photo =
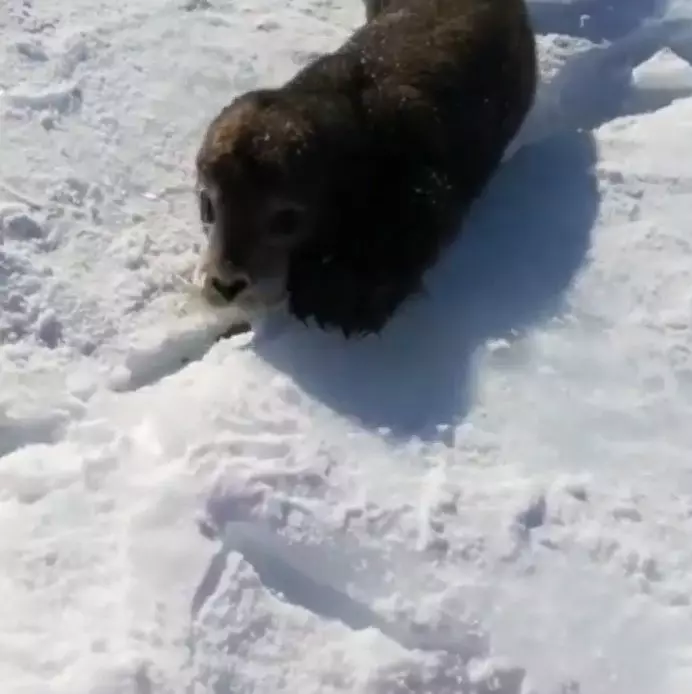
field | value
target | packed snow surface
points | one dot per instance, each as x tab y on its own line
493	496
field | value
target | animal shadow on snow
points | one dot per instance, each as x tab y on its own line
520	248
518	253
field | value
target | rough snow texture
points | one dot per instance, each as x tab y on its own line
495	496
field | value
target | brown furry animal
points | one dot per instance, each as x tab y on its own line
338	190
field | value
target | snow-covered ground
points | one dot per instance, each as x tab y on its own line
494	496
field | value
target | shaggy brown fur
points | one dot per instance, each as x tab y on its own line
345	184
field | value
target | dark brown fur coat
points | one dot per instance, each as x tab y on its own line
388	140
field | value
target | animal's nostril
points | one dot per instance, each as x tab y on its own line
229	291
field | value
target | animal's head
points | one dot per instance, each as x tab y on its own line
267	171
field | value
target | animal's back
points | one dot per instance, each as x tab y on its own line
437	90
465	70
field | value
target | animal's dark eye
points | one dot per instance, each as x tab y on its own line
285	222
206	208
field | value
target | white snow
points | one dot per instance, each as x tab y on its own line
494	496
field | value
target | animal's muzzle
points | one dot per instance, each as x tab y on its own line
229	291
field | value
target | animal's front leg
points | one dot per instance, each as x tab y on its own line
352	298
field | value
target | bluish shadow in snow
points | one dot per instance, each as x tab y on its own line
519	252
300	575
596	20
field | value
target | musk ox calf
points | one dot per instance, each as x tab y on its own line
335	192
